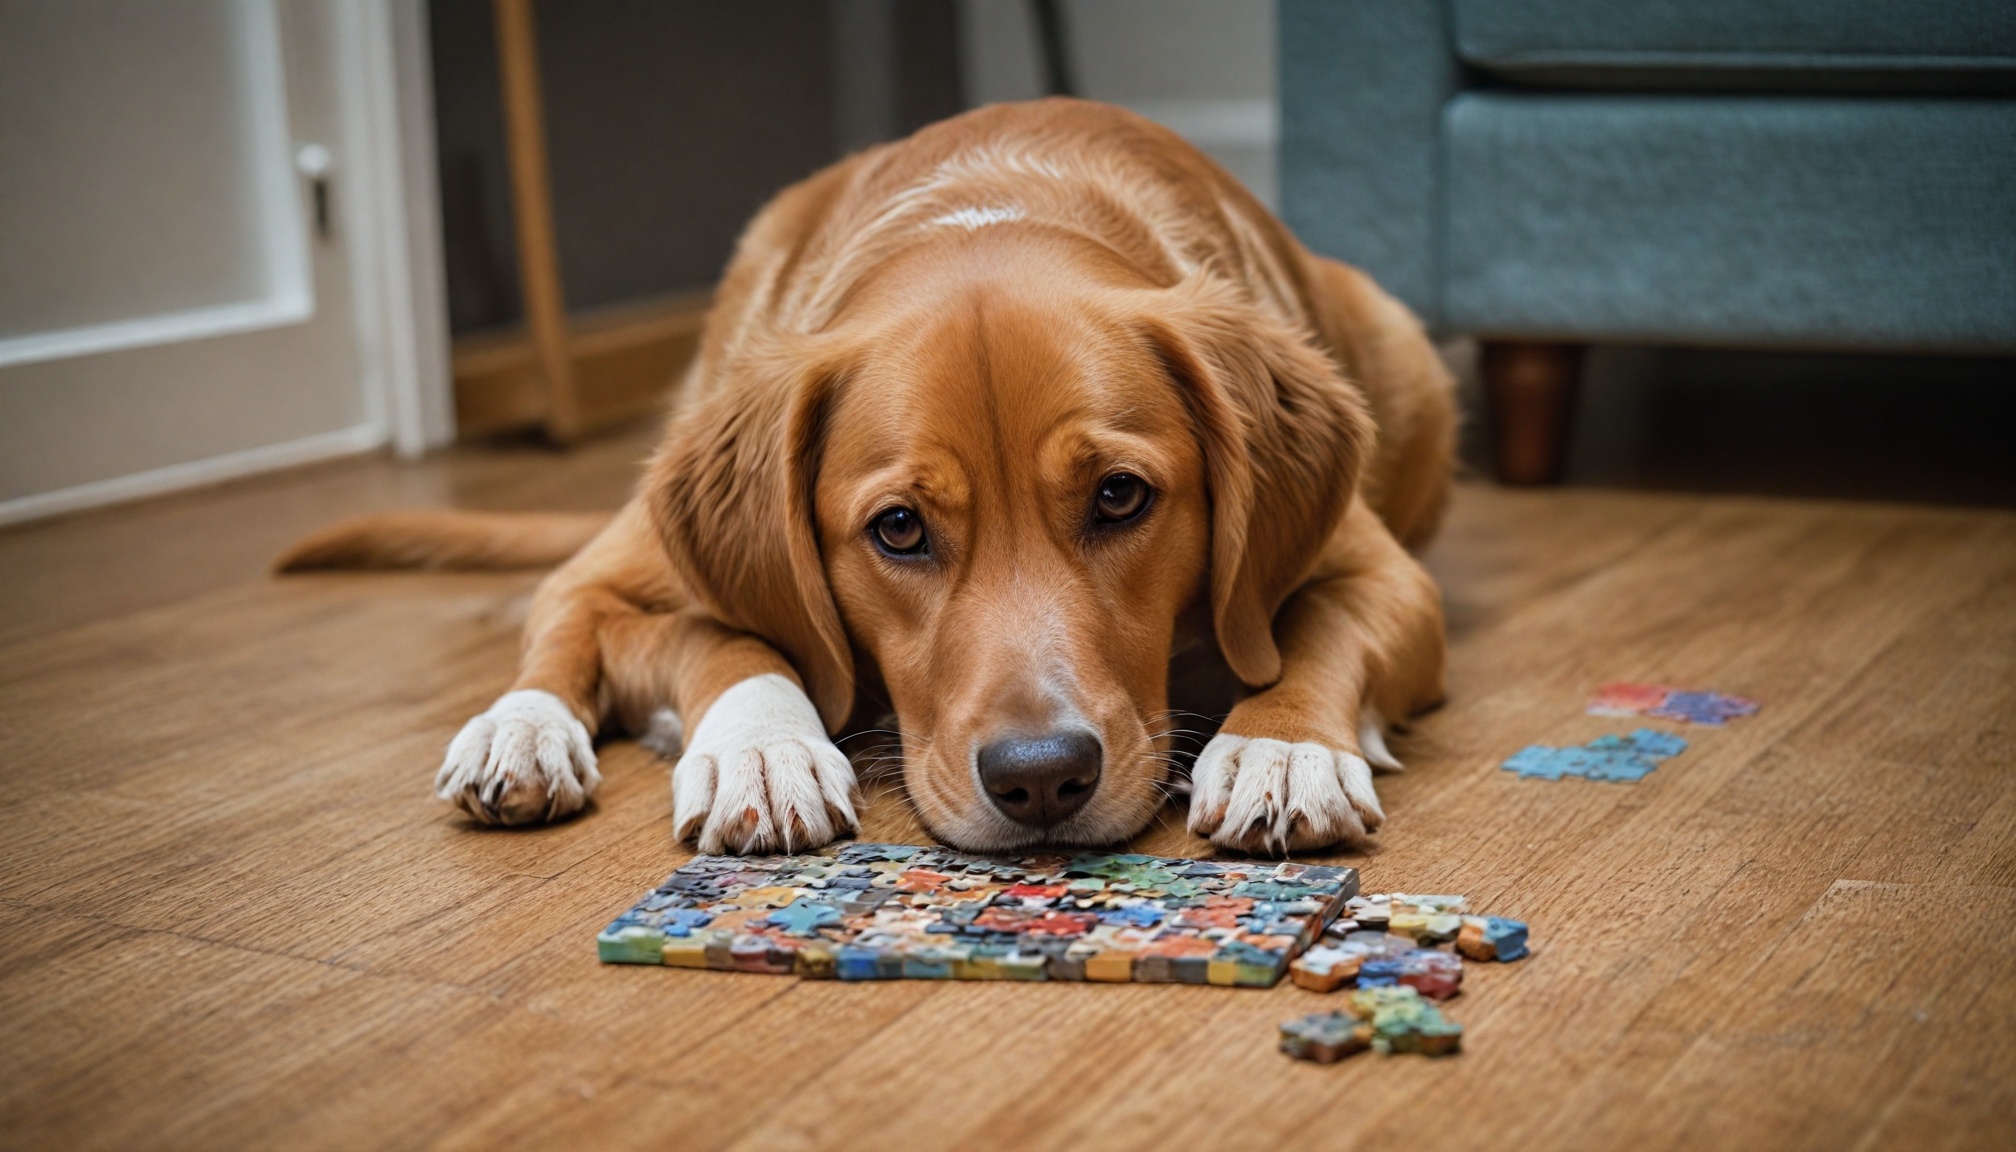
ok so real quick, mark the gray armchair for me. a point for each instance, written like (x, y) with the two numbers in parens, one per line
(1764, 173)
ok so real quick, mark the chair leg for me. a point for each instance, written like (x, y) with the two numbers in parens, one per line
(1531, 390)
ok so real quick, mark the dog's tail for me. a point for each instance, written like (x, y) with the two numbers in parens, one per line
(442, 539)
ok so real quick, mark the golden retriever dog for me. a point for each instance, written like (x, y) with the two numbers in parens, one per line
(1037, 430)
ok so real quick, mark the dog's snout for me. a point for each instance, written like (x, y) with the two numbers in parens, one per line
(1038, 781)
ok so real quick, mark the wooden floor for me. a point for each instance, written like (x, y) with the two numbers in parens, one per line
(232, 915)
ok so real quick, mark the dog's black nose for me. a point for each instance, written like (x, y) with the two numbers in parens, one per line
(1038, 781)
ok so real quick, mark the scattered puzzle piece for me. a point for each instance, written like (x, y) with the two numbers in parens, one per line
(1388, 1020)
(1427, 919)
(1403, 1022)
(1711, 708)
(885, 912)
(1325, 1037)
(1337, 960)
(1491, 938)
(1324, 968)
(1622, 699)
(1627, 758)
(1434, 974)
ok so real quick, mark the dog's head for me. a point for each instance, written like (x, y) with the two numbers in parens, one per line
(992, 496)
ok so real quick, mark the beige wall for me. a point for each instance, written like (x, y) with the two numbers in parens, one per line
(1203, 67)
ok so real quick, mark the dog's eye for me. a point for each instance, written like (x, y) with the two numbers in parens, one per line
(1122, 496)
(900, 532)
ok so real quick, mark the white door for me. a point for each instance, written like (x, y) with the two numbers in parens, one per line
(178, 300)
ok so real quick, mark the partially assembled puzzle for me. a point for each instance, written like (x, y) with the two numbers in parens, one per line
(894, 911)
(1693, 707)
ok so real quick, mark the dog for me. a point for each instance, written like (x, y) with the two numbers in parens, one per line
(1036, 429)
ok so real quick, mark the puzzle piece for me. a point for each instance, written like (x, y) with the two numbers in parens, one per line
(1427, 919)
(1694, 707)
(887, 911)
(1388, 1020)
(1491, 938)
(1324, 968)
(1711, 708)
(1628, 758)
(804, 916)
(1403, 1022)
(1325, 1037)
(1338, 959)
(1623, 699)
(1438, 975)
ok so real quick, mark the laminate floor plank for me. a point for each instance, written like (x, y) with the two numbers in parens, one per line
(89, 566)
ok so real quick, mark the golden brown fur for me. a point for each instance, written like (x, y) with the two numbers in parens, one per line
(979, 323)
(445, 540)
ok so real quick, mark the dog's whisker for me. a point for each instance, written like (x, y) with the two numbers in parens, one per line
(1175, 713)
(867, 732)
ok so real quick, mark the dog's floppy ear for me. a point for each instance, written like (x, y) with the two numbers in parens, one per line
(730, 493)
(1284, 436)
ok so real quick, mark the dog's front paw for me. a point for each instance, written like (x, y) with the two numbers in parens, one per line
(526, 760)
(759, 774)
(1270, 797)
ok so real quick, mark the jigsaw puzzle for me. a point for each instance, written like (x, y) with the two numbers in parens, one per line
(1712, 708)
(1604, 758)
(1388, 1020)
(895, 911)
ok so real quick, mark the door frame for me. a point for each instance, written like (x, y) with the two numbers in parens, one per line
(392, 237)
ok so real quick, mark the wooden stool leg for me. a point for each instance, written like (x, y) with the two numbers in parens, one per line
(1531, 390)
(532, 212)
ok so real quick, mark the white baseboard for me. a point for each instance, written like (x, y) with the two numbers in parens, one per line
(193, 474)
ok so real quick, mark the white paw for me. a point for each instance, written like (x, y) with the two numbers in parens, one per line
(525, 760)
(1269, 796)
(759, 774)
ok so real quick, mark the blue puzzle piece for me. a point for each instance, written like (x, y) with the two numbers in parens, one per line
(1658, 745)
(1381, 972)
(1507, 938)
(1538, 761)
(682, 921)
(803, 917)
(1137, 916)
(858, 964)
(1627, 758)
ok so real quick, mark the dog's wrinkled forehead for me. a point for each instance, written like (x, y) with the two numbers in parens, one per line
(980, 395)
